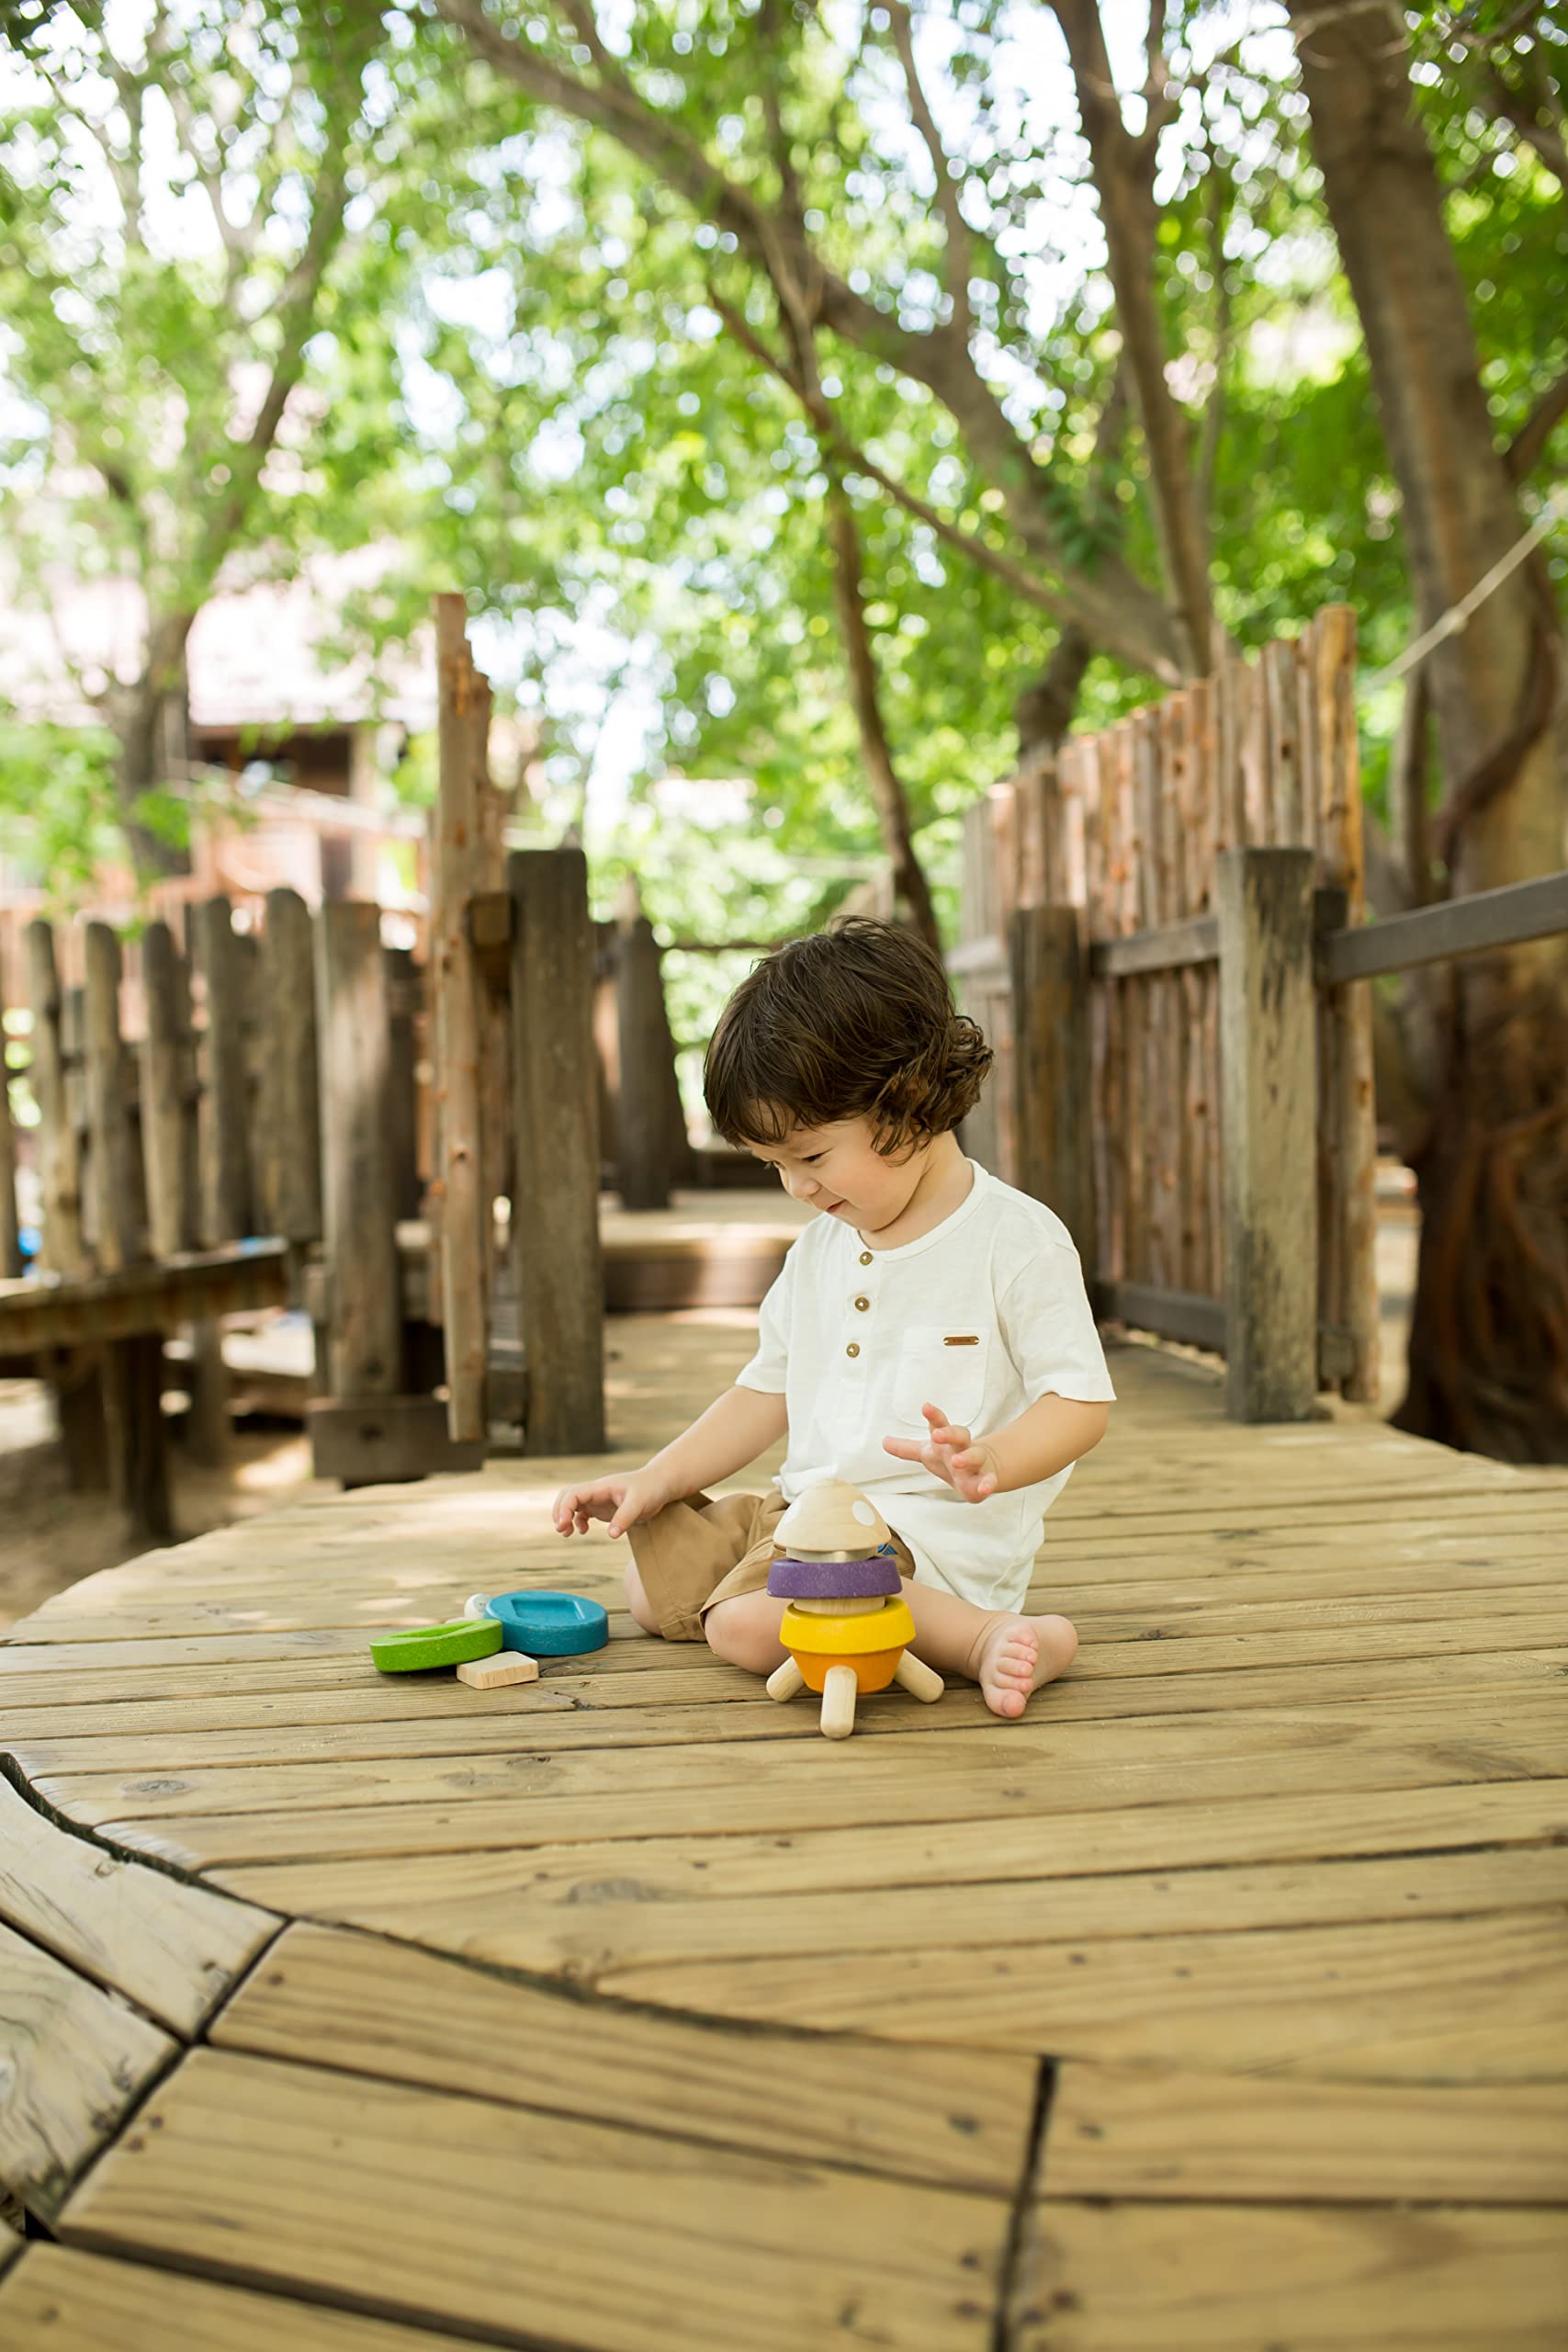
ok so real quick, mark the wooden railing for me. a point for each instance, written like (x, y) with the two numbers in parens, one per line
(1278, 946)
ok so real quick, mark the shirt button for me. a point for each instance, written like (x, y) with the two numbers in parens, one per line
(862, 1303)
(854, 1348)
(865, 1257)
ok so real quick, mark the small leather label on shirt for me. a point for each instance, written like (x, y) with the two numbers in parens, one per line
(962, 1340)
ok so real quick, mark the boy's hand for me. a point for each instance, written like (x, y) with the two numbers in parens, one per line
(625, 1499)
(950, 1453)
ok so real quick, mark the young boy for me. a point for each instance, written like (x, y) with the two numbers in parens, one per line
(928, 1338)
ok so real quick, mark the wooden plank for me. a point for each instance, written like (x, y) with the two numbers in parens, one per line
(149, 1298)
(486, 1905)
(554, 1225)
(174, 1950)
(1128, 2132)
(112, 1178)
(1169, 947)
(375, 1441)
(1392, 2000)
(61, 2301)
(588, 2257)
(480, 1809)
(168, 1087)
(1469, 926)
(223, 1116)
(455, 990)
(1051, 1068)
(327, 1997)
(468, 1733)
(64, 1249)
(1211, 2278)
(292, 1086)
(723, 1864)
(1266, 1022)
(358, 1207)
(1139, 1669)
(75, 2062)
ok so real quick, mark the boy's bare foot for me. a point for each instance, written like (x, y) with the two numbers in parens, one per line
(1015, 1654)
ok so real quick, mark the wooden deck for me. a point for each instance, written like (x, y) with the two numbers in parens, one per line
(1218, 2006)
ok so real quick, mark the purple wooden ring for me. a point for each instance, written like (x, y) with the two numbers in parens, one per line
(834, 1579)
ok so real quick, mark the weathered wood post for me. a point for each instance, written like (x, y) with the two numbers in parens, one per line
(224, 1149)
(10, 1231)
(1268, 1090)
(132, 1366)
(364, 1319)
(555, 1208)
(292, 1091)
(167, 1083)
(110, 1174)
(642, 1138)
(463, 1213)
(1051, 1068)
(60, 1160)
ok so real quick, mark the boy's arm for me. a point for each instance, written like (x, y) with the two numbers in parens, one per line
(1045, 1437)
(735, 1428)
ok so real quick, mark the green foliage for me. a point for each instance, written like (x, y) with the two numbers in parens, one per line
(57, 803)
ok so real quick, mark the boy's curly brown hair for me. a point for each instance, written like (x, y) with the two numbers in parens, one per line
(856, 1021)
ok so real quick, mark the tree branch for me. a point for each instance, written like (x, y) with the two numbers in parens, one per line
(1528, 446)
(960, 244)
(1119, 610)
(1123, 170)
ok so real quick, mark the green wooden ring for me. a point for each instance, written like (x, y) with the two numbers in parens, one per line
(415, 1646)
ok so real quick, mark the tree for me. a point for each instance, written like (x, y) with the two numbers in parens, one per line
(204, 216)
(1489, 1353)
(902, 260)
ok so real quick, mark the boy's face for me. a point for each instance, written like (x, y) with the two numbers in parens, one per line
(836, 1170)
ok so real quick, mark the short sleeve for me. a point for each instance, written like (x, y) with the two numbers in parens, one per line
(768, 1367)
(1049, 1328)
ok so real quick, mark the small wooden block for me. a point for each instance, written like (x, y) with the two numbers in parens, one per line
(495, 1673)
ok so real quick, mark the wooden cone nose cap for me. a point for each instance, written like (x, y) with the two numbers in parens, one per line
(832, 1517)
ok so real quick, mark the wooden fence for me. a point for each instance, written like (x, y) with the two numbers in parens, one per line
(1129, 829)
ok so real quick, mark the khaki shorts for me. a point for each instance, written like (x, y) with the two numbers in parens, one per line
(693, 1555)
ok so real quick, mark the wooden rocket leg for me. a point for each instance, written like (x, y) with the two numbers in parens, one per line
(920, 1679)
(839, 1701)
(785, 1680)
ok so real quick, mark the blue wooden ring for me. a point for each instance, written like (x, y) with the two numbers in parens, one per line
(549, 1625)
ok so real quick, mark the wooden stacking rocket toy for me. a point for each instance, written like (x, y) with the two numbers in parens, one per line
(847, 1625)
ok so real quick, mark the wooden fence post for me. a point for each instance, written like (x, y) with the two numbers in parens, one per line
(223, 1114)
(1051, 1068)
(290, 1091)
(10, 1233)
(167, 1081)
(642, 1139)
(465, 1213)
(110, 1174)
(364, 1310)
(1269, 1087)
(61, 1250)
(555, 1208)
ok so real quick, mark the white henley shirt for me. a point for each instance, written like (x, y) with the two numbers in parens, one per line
(981, 1316)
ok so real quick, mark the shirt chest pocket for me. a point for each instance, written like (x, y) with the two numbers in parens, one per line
(941, 1365)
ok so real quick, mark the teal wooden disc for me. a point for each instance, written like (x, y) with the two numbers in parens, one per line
(414, 1648)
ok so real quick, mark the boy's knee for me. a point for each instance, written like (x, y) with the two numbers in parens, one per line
(745, 1633)
(637, 1600)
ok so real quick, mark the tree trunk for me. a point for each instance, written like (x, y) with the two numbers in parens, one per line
(1489, 1346)
(142, 723)
(911, 889)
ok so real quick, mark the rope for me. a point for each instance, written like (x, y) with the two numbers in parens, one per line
(1554, 511)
